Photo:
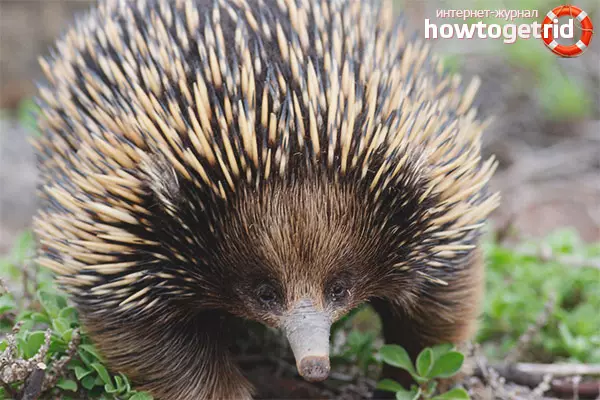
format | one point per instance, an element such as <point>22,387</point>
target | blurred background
<point>546,134</point>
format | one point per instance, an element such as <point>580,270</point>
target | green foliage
<point>432,363</point>
<point>361,329</point>
<point>50,310</point>
<point>358,349</point>
<point>520,282</point>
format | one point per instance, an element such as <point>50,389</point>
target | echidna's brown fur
<point>193,148</point>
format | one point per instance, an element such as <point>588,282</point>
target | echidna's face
<point>299,258</point>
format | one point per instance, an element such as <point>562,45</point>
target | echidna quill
<point>279,161</point>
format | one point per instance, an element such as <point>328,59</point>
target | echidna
<point>281,161</point>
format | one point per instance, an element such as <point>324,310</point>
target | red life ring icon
<point>587,29</point>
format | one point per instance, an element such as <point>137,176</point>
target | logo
<point>550,30</point>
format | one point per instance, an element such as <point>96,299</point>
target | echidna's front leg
<point>175,359</point>
<point>446,314</point>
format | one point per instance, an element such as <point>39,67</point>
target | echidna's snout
<point>307,330</point>
<point>314,368</point>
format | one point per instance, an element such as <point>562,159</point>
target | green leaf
<point>125,382</point>
<point>25,314</point>
<point>396,356</point>
<point>447,365</point>
<point>412,394</point>
<point>50,302</point>
<point>454,394</point>
<point>99,381</point>
<point>81,373</point>
<point>90,350</point>
<point>141,396</point>
<point>69,314</point>
<point>67,384</point>
<point>60,325</point>
<point>441,349</point>
<point>74,363</point>
<point>57,345</point>
<point>102,372</point>
<point>23,246</point>
<point>389,385</point>
<point>89,382</point>
<point>85,357</point>
<point>67,335</point>
<point>109,388</point>
<point>425,362</point>
<point>6,303</point>
<point>34,342</point>
<point>119,384</point>
<point>430,387</point>
<point>40,317</point>
<point>22,345</point>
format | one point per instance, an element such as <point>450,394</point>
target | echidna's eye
<point>267,295</point>
<point>337,292</point>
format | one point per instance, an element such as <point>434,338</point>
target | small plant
<point>433,363</point>
<point>47,342</point>
<point>42,352</point>
<point>358,350</point>
<point>355,341</point>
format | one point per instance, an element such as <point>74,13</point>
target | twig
<point>25,281</point>
<point>10,314</point>
<point>489,375</point>
<point>33,372</point>
<point>571,388</point>
<point>59,367</point>
<point>11,349</point>
<point>543,387</point>
<point>576,381</point>
<point>558,370</point>
<point>3,287</point>
<point>532,375</point>
<point>33,384</point>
